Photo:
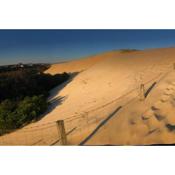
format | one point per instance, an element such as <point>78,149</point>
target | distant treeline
<point>23,95</point>
<point>20,66</point>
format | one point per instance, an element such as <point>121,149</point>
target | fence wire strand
<point>43,132</point>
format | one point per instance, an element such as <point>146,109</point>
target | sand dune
<point>79,64</point>
<point>101,84</point>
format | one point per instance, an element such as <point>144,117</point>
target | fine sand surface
<point>99,85</point>
<point>78,65</point>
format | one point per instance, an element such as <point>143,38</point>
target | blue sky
<point>58,45</point>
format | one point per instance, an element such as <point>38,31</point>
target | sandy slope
<point>151,121</point>
<point>98,89</point>
<point>78,65</point>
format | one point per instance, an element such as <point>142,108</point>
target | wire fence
<point>77,127</point>
<point>114,104</point>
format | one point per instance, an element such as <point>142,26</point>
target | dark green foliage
<point>18,84</point>
<point>16,114</point>
<point>23,96</point>
<point>30,108</point>
<point>7,108</point>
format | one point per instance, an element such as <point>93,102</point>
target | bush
<point>18,84</point>
<point>16,114</point>
<point>30,108</point>
<point>23,96</point>
<point>7,108</point>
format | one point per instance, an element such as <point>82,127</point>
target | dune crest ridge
<point>102,83</point>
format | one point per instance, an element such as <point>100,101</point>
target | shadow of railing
<point>149,89</point>
<point>53,99</point>
<point>57,89</point>
<point>100,125</point>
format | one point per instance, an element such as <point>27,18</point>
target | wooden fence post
<point>62,133</point>
<point>174,66</point>
<point>142,92</point>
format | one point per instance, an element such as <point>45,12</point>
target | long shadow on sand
<point>100,125</point>
<point>55,101</point>
<point>57,89</point>
<point>149,89</point>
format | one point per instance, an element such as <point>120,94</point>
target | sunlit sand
<point>99,85</point>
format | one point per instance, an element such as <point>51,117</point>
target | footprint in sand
<point>160,108</point>
<point>172,100</point>
<point>133,120</point>
<point>168,112</point>
<point>152,119</point>
<point>162,112</point>
<point>165,98</point>
<point>152,124</point>
<point>173,95</point>
<point>157,105</point>
<point>168,92</point>
<point>171,87</point>
<point>159,115</point>
<point>147,115</point>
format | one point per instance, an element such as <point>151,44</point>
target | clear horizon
<point>50,46</point>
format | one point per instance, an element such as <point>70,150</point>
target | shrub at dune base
<point>23,96</point>
<point>16,114</point>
